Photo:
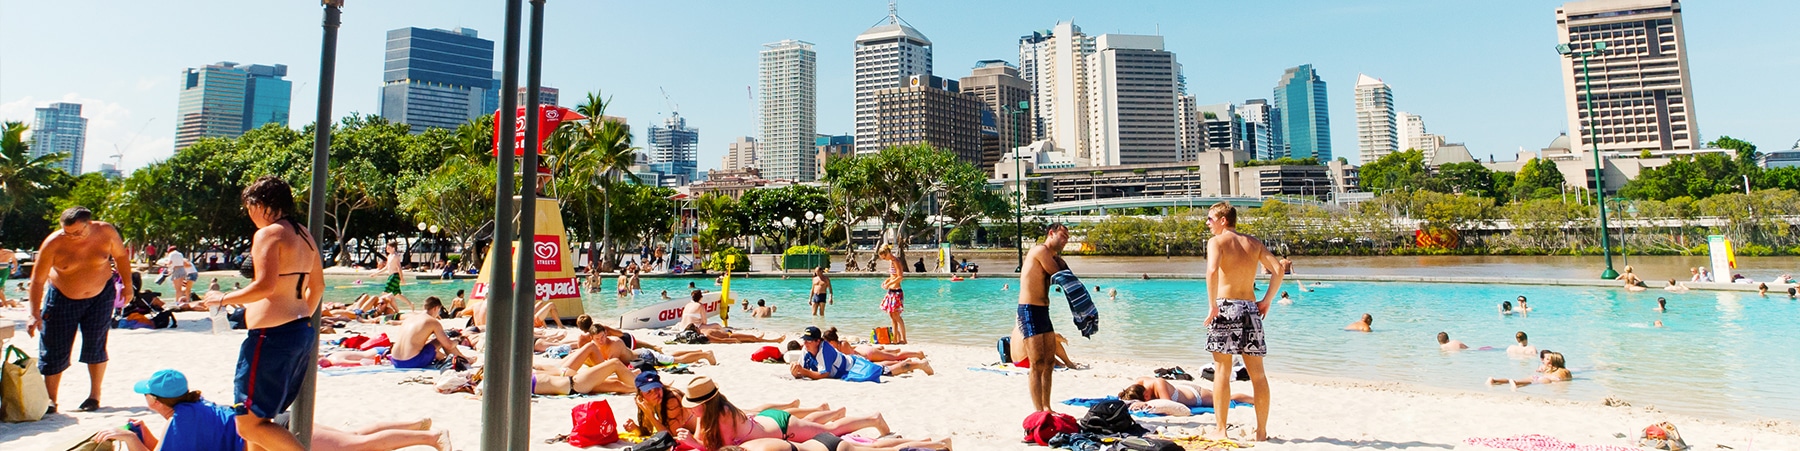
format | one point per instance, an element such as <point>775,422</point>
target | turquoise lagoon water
<point>1721,354</point>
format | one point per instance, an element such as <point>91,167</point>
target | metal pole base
<point>1609,274</point>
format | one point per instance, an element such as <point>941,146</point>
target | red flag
<point>550,117</point>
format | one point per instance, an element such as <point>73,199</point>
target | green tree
<point>458,197</point>
<point>718,215</point>
<point>22,176</point>
<point>1698,176</point>
<point>899,180</point>
<point>1469,178</point>
<point>1399,170</point>
<point>1536,176</point>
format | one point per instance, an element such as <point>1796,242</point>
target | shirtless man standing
<point>821,291</point>
<point>1034,312</point>
<point>74,269</point>
<point>1234,323</point>
<point>278,308</point>
<point>895,301</point>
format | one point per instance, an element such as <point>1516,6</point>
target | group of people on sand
<point>73,290</point>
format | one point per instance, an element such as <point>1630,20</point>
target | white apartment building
<point>1133,87</point>
<point>742,154</point>
<point>1643,98</point>
<point>1055,63</point>
<point>886,56</point>
<point>1193,132</point>
<point>1258,133</point>
<point>1375,124</point>
<point>788,73</point>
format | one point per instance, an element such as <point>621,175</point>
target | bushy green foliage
<point>715,261</point>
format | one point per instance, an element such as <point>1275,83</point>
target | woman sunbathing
<point>659,408</point>
<point>610,376</point>
<point>720,335</point>
<point>721,423</point>
<point>872,352</point>
<point>1185,392</point>
<point>829,442</point>
<point>1551,371</point>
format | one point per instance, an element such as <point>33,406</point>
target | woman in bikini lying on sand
<point>659,408</point>
<point>1553,370</point>
<point>1187,393</point>
<point>721,423</point>
<point>872,352</point>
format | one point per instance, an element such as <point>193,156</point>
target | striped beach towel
<point>1081,305</point>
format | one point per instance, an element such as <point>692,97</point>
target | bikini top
<point>299,285</point>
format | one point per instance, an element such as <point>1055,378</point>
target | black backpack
<point>1005,345</point>
<point>163,320</point>
<point>1111,418</point>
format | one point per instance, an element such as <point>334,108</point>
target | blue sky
<point>1482,73</point>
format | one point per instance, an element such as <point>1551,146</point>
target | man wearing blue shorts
<point>1034,330</point>
<point>72,290</point>
<point>278,306</point>
<point>821,291</point>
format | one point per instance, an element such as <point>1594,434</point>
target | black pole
<point>519,401</point>
<point>502,383</point>
<point>301,424</point>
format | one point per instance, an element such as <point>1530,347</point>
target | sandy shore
<point>979,410</point>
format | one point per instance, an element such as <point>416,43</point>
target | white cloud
<point>112,128</point>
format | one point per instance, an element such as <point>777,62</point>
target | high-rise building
<point>110,172</point>
<point>1193,131</point>
<point>1410,127</point>
<point>1305,114</point>
<point>789,74</point>
<point>437,78</point>
<point>1001,90</point>
<point>675,149</point>
<point>1054,62</point>
<point>1260,125</point>
<point>831,147</point>
<point>1132,100</point>
<point>60,128</point>
<point>929,110</point>
<point>1642,93</point>
<point>546,96</point>
<point>740,154</point>
<point>1376,134</point>
<point>887,56</point>
<point>1221,128</point>
<point>226,99</point>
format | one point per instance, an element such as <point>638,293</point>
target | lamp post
<point>1018,180</point>
<point>302,421</point>
<point>1587,86</point>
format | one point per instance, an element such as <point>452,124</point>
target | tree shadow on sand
<point>1376,444</point>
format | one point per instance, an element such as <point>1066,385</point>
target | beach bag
<point>1240,373</point>
<point>1041,426</point>
<point>1175,374</point>
<point>1662,436</point>
<point>163,320</point>
<point>662,441</point>
<point>690,337</point>
<point>1005,348</point>
<point>1149,444</point>
<point>1111,418</point>
<point>594,425</point>
<point>883,336</point>
<point>767,354</point>
<point>22,388</point>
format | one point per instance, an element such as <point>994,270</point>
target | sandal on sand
<point>90,405</point>
<point>559,438</point>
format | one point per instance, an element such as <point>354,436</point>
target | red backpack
<point>594,425</point>
<point>1041,426</point>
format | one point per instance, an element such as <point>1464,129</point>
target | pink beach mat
<point>1535,442</point>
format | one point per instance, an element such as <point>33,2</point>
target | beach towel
<point>1081,305</point>
<point>1090,402</point>
<point>1535,442</point>
<point>1007,369</point>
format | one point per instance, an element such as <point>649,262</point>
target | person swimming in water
<point>1523,348</point>
<point>1362,325</point>
<point>1553,370</point>
<point>1446,344</point>
<point>1285,300</point>
<point>1506,308</point>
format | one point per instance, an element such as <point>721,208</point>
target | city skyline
<point>1495,94</point>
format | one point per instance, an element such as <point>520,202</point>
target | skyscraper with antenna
<point>886,56</point>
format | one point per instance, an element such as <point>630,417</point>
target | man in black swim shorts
<point>1034,331</point>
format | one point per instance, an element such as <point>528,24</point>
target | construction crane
<point>118,156</point>
<point>673,108</point>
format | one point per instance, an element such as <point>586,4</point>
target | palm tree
<point>601,147</point>
<point>22,175</point>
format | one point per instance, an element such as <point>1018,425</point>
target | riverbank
<point>979,410</point>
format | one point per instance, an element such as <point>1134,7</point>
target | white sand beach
<point>978,410</point>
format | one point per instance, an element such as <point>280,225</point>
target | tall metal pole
<point>518,363</point>
<point>1599,173</point>
<point>502,384</point>
<point>301,423</point>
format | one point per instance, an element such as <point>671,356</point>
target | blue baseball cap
<point>648,380</point>
<point>163,384</point>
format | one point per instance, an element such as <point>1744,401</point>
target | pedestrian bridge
<point>1116,203</point>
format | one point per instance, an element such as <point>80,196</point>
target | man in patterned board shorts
<point>72,291</point>
<point>1234,322</point>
